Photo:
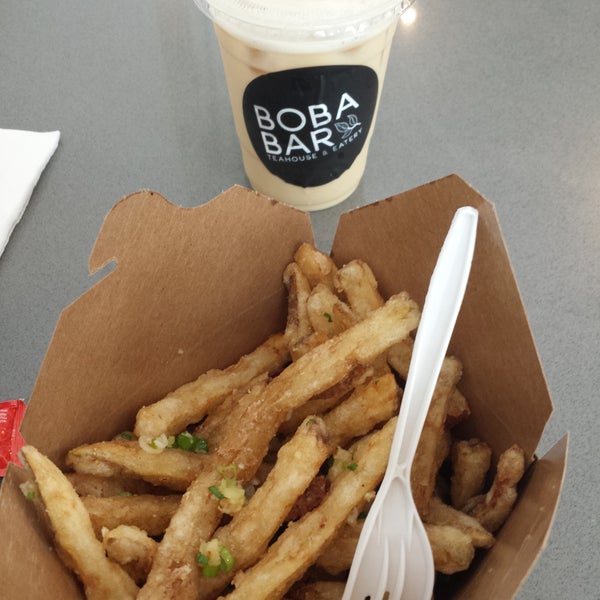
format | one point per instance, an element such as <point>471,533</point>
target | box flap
<point>185,279</point>
<point>399,238</point>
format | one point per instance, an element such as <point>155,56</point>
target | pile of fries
<point>252,482</point>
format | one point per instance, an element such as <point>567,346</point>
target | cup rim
<point>272,19</point>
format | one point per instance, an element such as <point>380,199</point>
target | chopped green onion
<point>200,446</point>
<point>216,491</point>
<point>124,494</point>
<point>185,440</point>
<point>126,435</point>
<point>342,461</point>
<point>214,558</point>
<point>191,443</point>
<point>328,317</point>
<point>229,489</point>
<point>225,564</point>
<point>227,561</point>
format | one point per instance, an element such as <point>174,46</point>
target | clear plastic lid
<point>306,21</point>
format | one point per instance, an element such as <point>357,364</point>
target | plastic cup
<point>304,80</point>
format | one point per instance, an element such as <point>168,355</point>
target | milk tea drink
<point>304,80</point>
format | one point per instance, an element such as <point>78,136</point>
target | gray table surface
<point>505,94</point>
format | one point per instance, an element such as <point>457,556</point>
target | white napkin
<point>23,157</point>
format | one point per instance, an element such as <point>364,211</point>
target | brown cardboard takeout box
<point>196,288</point>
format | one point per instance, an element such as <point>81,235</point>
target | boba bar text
<point>291,131</point>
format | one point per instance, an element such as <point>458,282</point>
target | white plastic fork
<point>393,555</point>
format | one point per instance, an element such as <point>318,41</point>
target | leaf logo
<point>346,128</point>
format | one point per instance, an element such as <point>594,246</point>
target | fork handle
<point>440,311</point>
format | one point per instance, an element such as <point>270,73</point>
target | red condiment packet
<point>11,441</point>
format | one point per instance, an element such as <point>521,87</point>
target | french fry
<point>316,266</point>
<point>442,485</point>
<point>452,548</point>
<point>131,548</point>
<point>298,324</point>
<point>471,461</point>
<point>458,409</point>
<point>189,403</point>
<point>492,509</point>
<point>248,445</point>
<point>355,281</point>
<point>81,551</point>
<point>303,541</point>
<point>337,556</point>
<point>426,462</point>
<point>147,512</point>
<point>247,535</point>
<point>439,513</point>
<point>399,356</point>
<point>174,573</point>
<point>370,404</point>
<point>173,468</point>
<point>212,428</point>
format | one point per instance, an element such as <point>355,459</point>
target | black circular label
<point>308,125</point>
